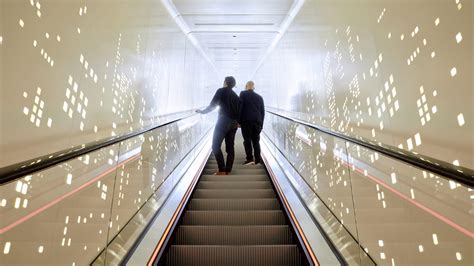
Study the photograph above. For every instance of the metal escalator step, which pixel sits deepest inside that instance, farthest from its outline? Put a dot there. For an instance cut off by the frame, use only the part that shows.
(234, 178)
(239, 171)
(260, 255)
(234, 235)
(233, 193)
(236, 166)
(234, 204)
(266, 217)
(234, 185)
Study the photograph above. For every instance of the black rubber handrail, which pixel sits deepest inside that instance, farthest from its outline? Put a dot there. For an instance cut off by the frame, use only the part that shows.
(18, 170)
(459, 174)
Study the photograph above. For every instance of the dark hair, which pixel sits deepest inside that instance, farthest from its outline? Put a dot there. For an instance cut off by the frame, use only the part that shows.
(230, 82)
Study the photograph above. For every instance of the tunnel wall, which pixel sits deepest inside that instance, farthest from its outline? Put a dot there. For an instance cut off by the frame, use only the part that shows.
(399, 72)
(78, 71)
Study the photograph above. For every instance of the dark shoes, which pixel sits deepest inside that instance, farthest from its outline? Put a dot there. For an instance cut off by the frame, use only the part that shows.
(248, 162)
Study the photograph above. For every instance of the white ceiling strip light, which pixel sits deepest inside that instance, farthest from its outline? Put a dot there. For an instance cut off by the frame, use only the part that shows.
(178, 19)
(294, 10)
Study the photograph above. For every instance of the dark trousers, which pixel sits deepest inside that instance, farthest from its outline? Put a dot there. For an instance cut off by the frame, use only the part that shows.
(251, 134)
(225, 130)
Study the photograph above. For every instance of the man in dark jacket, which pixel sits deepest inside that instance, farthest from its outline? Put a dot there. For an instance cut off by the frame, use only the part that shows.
(252, 114)
(226, 126)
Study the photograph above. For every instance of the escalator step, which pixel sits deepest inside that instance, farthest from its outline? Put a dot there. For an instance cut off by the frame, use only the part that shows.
(233, 193)
(234, 235)
(234, 178)
(262, 255)
(214, 166)
(234, 185)
(273, 217)
(234, 204)
(259, 171)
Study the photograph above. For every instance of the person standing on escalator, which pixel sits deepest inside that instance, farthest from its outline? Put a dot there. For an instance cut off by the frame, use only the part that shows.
(252, 114)
(226, 126)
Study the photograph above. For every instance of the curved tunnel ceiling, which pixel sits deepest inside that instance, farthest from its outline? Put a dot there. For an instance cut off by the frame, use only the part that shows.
(235, 36)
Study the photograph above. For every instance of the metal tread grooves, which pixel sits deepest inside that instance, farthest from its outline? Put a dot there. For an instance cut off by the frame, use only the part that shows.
(233, 235)
(232, 220)
(218, 255)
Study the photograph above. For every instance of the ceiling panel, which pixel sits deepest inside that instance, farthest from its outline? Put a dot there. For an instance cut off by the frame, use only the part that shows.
(228, 22)
(240, 37)
(234, 34)
(187, 7)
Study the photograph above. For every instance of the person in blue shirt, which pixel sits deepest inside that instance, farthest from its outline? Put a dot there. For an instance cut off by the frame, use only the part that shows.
(252, 114)
(226, 126)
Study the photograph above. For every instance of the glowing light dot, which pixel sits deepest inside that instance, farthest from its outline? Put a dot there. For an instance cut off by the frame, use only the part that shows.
(6, 248)
(420, 248)
(437, 21)
(46, 35)
(433, 54)
(458, 256)
(69, 179)
(393, 177)
(402, 37)
(456, 162)
(1, 40)
(453, 72)
(417, 139)
(17, 203)
(58, 38)
(40, 249)
(22, 23)
(458, 37)
(410, 144)
(461, 121)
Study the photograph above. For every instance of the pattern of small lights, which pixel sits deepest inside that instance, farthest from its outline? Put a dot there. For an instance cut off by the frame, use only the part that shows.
(375, 198)
(357, 78)
(36, 112)
(89, 199)
(396, 77)
(80, 72)
(128, 76)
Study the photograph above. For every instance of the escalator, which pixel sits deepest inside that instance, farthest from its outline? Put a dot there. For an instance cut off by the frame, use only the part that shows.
(236, 219)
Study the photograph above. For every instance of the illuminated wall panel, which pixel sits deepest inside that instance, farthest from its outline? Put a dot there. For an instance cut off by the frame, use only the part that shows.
(396, 71)
(77, 71)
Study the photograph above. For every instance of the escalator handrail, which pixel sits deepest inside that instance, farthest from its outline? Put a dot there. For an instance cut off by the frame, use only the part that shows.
(28, 167)
(459, 174)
